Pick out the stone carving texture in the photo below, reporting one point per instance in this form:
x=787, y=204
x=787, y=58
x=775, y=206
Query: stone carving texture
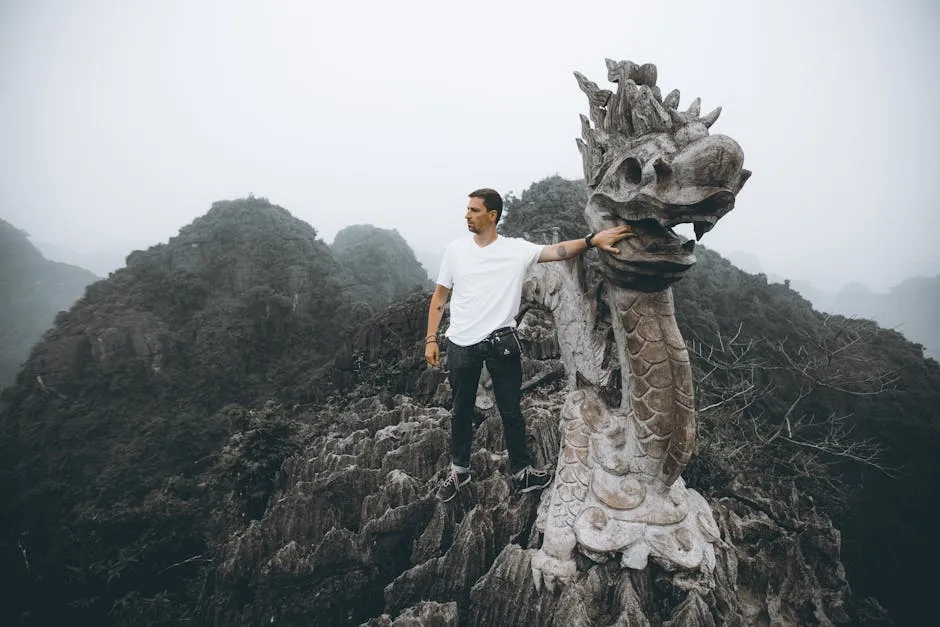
x=617, y=488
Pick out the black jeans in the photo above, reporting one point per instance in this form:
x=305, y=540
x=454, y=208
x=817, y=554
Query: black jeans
x=465, y=364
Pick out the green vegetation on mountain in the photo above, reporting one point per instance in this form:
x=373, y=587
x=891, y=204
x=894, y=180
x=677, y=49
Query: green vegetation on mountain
x=129, y=441
x=32, y=291
x=381, y=264
x=545, y=209
x=843, y=409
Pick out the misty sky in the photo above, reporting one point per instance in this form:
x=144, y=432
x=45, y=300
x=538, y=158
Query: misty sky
x=123, y=120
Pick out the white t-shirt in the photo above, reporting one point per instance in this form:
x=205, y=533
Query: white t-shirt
x=486, y=285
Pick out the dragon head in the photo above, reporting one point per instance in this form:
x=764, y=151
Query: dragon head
x=652, y=167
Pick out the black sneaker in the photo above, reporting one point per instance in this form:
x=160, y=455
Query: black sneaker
x=451, y=485
x=532, y=479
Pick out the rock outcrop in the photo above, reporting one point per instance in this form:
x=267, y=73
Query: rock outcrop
x=356, y=536
x=381, y=266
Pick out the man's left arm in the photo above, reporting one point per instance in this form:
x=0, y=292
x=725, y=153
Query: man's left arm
x=603, y=240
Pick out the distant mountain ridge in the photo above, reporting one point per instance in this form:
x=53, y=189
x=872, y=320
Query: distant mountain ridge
x=33, y=290
x=382, y=266
x=100, y=259
x=912, y=307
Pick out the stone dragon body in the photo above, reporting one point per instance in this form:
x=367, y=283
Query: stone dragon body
x=617, y=490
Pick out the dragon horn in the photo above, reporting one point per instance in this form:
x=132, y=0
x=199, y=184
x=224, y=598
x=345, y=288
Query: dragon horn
x=596, y=95
x=672, y=100
x=677, y=117
x=695, y=108
x=585, y=126
x=618, y=71
x=709, y=119
x=647, y=75
x=587, y=86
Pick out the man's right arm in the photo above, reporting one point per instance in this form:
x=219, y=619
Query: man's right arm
x=439, y=298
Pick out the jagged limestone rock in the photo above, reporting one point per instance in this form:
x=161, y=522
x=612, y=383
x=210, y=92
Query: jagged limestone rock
x=425, y=614
x=354, y=534
x=617, y=490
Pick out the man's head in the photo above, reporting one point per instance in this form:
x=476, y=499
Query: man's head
x=484, y=208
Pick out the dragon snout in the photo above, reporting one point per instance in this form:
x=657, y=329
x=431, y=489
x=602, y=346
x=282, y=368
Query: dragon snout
x=715, y=161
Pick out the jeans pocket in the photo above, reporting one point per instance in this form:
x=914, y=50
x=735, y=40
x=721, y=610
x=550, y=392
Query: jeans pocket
x=458, y=356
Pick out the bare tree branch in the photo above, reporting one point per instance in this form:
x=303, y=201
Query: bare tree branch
x=757, y=402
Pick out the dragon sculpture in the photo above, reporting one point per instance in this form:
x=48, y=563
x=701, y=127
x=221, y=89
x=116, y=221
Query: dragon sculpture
x=618, y=490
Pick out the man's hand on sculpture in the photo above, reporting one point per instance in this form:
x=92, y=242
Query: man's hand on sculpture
x=432, y=353
x=605, y=240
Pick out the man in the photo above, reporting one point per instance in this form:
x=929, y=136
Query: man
x=486, y=273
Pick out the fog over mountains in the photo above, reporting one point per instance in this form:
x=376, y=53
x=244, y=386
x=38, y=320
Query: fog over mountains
x=911, y=307
x=33, y=289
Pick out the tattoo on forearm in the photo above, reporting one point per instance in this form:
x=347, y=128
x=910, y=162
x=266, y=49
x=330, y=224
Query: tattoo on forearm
x=440, y=307
x=562, y=252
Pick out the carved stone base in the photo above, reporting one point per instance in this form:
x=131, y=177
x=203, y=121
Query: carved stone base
x=603, y=505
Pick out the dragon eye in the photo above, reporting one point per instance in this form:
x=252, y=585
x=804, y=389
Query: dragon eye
x=663, y=170
x=632, y=170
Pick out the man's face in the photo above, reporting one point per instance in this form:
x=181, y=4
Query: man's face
x=477, y=216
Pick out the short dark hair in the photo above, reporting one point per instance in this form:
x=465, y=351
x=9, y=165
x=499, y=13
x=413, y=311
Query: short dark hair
x=491, y=200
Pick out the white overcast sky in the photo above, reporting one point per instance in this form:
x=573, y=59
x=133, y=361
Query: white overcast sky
x=123, y=120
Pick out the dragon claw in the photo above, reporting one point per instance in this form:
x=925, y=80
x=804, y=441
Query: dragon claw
x=555, y=573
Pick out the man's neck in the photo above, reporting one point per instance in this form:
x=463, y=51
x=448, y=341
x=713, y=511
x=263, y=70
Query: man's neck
x=485, y=238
